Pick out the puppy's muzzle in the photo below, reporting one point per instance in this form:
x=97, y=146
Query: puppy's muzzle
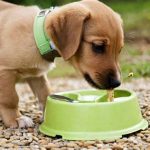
x=109, y=79
x=105, y=80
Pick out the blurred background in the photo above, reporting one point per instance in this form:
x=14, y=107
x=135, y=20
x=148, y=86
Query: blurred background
x=135, y=56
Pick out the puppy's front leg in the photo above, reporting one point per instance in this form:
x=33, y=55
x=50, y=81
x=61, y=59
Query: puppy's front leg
x=40, y=88
x=9, y=102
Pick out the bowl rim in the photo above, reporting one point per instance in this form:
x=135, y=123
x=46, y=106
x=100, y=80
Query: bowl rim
x=124, y=99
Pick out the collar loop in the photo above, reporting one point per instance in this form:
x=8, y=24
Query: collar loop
x=44, y=44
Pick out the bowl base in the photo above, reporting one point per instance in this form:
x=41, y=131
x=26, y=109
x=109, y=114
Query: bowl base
x=113, y=135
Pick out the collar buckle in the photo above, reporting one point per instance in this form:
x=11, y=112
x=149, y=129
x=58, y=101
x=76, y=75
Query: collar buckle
x=43, y=12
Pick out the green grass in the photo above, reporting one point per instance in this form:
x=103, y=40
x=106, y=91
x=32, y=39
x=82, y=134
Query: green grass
x=139, y=69
x=136, y=61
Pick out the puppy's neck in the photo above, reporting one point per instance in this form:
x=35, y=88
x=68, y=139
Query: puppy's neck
x=45, y=45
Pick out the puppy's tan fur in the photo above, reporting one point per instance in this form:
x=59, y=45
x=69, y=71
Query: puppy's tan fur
x=72, y=28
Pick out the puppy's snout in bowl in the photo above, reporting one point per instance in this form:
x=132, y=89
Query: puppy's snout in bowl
x=111, y=78
x=106, y=80
x=103, y=81
x=113, y=82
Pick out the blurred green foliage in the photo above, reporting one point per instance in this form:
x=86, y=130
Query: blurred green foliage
x=136, y=16
x=47, y=3
x=41, y=3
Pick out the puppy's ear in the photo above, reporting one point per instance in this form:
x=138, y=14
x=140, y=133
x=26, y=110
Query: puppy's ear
x=65, y=27
x=120, y=21
x=119, y=18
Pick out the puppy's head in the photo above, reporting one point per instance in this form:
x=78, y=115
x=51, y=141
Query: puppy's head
x=89, y=34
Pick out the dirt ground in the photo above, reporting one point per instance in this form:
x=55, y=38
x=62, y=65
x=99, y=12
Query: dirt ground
x=31, y=138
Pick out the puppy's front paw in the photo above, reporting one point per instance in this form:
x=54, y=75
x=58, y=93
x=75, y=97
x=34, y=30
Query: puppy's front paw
x=42, y=108
x=25, y=122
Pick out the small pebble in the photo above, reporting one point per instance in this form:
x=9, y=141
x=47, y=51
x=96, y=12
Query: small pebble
x=88, y=143
x=51, y=145
x=117, y=147
x=71, y=144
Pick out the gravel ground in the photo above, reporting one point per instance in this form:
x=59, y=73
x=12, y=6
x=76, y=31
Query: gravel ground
x=25, y=139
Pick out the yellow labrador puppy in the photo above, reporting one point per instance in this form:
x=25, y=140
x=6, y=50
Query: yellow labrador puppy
x=87, y=33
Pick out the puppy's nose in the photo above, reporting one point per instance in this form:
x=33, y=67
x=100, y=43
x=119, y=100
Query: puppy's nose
x=113, y=83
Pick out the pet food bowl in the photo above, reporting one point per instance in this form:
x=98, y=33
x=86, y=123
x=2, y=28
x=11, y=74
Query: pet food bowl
x=86, y=115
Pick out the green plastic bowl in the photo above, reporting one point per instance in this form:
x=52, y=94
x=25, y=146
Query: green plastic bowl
x=91, y=117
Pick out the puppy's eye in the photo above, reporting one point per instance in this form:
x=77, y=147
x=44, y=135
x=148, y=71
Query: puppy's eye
x=98, y=48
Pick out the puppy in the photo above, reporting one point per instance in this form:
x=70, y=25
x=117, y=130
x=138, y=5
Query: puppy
x=87, y=33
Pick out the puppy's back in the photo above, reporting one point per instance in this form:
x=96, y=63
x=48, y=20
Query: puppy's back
x=5, y=5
